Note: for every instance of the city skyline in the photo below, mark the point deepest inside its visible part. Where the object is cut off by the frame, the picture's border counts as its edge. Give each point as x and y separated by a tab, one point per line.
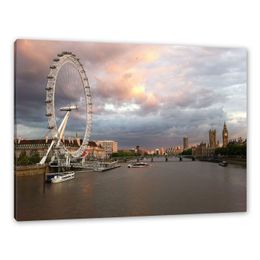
142	94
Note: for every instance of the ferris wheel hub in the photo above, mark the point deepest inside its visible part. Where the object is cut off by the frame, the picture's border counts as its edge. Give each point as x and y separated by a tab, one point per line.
69	108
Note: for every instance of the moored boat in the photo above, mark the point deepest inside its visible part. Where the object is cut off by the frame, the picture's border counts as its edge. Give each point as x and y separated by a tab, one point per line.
61	177
106	166
223	164
138	165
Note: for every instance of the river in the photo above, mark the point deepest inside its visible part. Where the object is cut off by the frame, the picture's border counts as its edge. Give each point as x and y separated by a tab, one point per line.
161	189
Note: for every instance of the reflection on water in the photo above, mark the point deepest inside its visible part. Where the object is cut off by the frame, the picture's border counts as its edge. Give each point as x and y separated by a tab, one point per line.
164	188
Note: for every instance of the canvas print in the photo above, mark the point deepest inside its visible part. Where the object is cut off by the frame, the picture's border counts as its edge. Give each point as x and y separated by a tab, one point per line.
120	129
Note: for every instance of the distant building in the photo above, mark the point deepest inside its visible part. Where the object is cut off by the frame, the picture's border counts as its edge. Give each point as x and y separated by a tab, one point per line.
150	151
225	135
200	150
41	146
212	138
239	140
203	150
177	150
162	151
137	149
209	150
185	143
109	146
169	150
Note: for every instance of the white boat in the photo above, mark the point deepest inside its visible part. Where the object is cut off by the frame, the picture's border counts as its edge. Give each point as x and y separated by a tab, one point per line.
138	165
61	177
223	163
106	166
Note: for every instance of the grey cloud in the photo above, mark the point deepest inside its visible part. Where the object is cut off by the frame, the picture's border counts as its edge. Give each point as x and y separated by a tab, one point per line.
198	92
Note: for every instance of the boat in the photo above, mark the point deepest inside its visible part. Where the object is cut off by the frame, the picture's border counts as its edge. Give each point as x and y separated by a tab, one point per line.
223	164
61	177
138	165
106	166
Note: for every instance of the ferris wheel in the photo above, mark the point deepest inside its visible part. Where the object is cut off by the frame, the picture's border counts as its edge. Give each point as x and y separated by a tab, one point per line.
57	132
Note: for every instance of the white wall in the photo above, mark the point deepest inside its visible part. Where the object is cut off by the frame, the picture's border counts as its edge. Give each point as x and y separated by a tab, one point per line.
201	22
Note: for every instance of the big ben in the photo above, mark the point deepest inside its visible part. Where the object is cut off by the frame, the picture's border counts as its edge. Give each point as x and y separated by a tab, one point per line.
225	135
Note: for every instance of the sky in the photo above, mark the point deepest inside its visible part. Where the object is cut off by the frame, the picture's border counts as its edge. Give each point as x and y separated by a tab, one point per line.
142	94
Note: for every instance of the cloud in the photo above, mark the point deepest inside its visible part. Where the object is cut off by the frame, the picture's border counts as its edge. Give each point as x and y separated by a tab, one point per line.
142	94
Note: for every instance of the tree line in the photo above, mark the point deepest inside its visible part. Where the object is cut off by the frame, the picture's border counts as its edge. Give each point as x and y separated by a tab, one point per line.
24	159
232	150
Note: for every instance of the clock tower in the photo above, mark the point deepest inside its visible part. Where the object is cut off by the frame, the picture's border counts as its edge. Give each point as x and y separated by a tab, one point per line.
225	135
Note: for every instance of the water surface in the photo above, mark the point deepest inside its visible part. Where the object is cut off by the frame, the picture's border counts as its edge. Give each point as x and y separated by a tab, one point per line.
163	188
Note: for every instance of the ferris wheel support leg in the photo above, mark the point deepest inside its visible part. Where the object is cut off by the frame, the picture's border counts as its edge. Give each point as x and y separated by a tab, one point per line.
62	127
44	158
59	136
67	160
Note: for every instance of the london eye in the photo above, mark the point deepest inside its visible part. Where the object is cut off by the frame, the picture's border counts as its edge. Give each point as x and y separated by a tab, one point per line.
57	131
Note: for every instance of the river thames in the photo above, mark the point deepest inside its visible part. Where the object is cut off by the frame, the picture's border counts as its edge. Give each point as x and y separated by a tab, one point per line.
161	189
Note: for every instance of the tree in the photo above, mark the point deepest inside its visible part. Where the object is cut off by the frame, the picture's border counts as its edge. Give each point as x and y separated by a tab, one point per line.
23	159
232	149
187	152
123	154
34	157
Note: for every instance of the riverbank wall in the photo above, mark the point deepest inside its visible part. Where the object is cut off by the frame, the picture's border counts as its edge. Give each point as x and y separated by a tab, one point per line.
231	160
30	170
236	161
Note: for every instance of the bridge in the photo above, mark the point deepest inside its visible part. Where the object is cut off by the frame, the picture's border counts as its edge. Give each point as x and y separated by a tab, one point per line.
158	158
186	156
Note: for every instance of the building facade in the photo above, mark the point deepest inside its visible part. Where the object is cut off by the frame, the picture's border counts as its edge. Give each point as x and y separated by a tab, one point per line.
41	146
200	150
212	138
185	143
109	146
